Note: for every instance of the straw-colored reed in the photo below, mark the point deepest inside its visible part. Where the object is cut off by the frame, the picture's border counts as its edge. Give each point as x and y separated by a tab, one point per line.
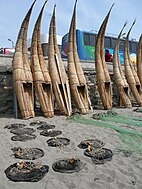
119	78
41	77
102	74
78	84
139	59
130	72
22	76
57	72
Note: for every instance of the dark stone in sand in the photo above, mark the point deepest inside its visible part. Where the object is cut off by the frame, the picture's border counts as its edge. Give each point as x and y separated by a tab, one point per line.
28	173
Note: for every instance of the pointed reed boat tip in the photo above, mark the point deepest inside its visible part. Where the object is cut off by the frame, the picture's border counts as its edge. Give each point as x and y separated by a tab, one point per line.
43	7
134	21
122	34
45	2
125	24
110	10
130	29
34	2
112	6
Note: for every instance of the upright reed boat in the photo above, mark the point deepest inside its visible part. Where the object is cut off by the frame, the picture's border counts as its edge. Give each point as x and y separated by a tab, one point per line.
41	77
130	72
102	74
22	76
57	72
78	84
119	78
139	59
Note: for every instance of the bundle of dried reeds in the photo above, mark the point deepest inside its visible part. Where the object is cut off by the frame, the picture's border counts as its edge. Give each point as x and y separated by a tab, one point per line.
119	78
102	74
57	72
22	76
139	59
41	77
130	72
78	84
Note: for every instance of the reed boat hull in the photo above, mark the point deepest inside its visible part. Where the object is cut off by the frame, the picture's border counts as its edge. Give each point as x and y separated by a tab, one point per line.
41	77
78	84
22	76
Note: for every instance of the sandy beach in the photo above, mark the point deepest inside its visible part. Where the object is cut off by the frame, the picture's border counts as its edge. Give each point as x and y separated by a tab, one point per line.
123	171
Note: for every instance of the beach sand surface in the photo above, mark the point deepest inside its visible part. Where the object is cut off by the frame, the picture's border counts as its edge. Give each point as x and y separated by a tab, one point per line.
122	172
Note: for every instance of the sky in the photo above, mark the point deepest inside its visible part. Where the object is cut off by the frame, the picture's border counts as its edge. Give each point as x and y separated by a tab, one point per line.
90	15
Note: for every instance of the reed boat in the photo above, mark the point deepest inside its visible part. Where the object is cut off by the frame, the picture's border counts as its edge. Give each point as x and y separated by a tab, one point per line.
41	77
130	72
78	84
22	76
119	78
139	59
57	72
102	74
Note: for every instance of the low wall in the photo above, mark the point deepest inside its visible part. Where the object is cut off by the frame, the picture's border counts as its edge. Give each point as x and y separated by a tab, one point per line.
6	84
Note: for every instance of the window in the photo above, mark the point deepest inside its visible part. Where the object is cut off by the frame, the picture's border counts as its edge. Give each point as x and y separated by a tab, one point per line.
86	39
133	46
121	45
89	39
92	40
113	42
107	42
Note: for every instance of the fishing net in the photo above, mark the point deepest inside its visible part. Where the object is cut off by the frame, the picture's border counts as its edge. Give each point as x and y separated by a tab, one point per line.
23	137
113	114
54	142
21	131
27	153
14	126
67	165
50	133
91	142
26	172
138	110
124	121
99	155
37	123
46	127
132	140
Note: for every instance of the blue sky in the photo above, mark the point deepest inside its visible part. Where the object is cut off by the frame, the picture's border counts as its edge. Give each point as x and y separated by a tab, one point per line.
90	14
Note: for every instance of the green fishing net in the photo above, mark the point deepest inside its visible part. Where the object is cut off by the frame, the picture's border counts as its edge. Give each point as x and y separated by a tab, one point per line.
138	110
132	140
111	113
